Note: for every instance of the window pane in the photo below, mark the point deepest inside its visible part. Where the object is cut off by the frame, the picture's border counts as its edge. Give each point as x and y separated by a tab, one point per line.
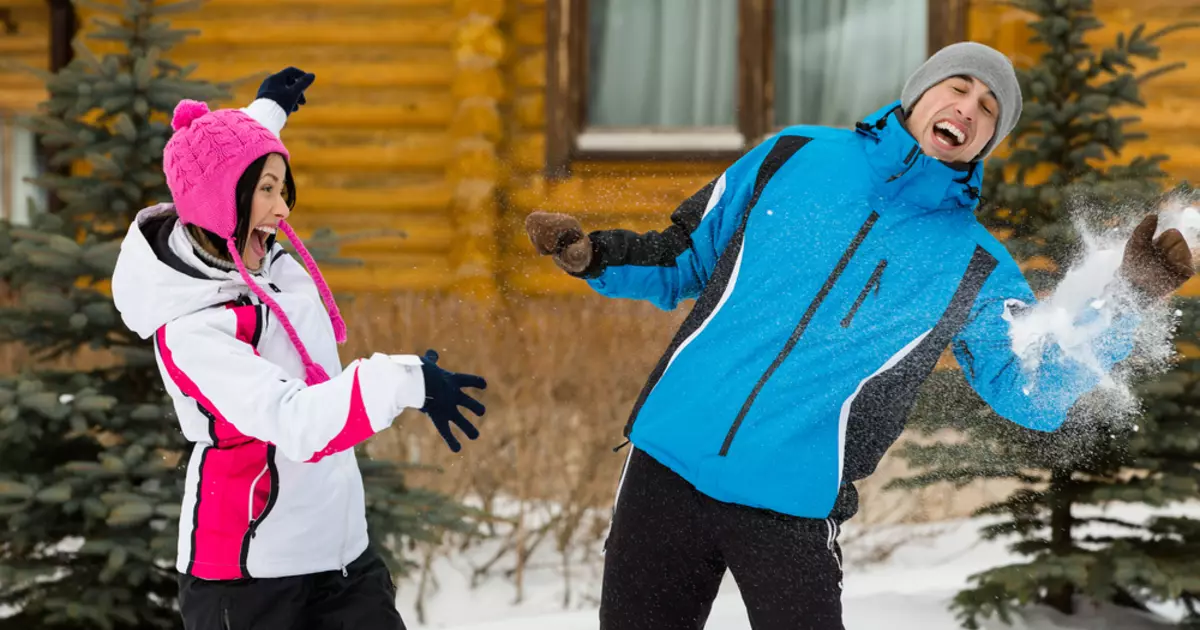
18	161
662	63
838	60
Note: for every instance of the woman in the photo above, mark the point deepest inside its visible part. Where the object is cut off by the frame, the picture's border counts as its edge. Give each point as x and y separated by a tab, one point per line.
273	530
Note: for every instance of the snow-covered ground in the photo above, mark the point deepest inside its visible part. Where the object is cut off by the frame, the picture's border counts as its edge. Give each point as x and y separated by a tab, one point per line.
898	577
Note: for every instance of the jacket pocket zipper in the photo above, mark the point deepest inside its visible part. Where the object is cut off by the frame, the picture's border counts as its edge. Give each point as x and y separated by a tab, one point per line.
255	521
873	283
800	328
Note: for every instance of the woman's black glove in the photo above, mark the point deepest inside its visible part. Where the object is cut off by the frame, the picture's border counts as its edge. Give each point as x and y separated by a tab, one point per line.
286	88
443	396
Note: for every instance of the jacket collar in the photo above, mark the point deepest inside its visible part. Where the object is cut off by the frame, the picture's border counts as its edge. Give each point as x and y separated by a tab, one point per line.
904	171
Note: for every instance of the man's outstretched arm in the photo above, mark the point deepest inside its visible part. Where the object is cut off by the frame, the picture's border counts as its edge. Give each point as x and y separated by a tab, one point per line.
664	267
1039	394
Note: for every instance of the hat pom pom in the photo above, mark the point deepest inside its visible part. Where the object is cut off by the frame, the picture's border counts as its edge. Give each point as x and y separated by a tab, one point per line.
186	111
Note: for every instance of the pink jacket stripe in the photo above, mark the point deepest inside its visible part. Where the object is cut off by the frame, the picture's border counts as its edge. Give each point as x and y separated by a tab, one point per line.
249	324
230	492
357	428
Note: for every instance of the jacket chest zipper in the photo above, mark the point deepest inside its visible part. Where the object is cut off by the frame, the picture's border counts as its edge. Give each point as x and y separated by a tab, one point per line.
872	284
800	328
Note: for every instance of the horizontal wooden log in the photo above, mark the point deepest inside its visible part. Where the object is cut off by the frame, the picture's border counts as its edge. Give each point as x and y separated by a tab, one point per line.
1127	16
705	169
17	66
527	154
32	37
379	150
1165	113
623	195
616	205
333	70
370	235
354	109
21	100
247	5
416	198
390	273
541	282
290	28
23	43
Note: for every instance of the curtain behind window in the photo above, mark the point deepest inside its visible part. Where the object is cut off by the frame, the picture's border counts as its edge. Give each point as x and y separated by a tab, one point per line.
838	60
662	63
672	64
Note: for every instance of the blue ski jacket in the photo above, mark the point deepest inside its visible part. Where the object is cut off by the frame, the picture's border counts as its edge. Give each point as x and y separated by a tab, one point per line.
831	269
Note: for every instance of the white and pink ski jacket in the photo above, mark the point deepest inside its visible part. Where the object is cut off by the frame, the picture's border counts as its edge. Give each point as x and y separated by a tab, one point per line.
273	486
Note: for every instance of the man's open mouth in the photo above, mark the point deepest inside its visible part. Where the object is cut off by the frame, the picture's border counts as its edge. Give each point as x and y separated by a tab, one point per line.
950	133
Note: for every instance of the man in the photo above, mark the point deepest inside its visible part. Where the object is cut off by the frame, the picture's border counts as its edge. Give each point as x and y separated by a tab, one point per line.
832	268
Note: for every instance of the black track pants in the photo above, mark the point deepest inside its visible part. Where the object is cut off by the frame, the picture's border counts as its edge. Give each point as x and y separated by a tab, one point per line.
364	599
670	545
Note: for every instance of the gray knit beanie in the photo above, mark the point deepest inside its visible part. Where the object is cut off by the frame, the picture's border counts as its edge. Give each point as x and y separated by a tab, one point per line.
975	60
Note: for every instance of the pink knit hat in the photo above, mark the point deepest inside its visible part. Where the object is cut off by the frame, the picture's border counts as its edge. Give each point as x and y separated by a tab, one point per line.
203	161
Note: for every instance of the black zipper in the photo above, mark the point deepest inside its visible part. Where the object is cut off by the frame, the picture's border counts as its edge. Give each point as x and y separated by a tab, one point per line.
225	613
873	283
909	160
272	495
800	327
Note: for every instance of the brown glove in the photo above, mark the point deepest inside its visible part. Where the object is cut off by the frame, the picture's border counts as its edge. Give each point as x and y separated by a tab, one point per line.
561	236
1156	267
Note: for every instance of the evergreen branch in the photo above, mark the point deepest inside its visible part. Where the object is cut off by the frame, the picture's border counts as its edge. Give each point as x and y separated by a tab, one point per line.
959	478
1106	520
1158	72
1171	28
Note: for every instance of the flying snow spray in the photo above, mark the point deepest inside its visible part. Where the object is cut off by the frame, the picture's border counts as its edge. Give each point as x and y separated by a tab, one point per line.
1082	308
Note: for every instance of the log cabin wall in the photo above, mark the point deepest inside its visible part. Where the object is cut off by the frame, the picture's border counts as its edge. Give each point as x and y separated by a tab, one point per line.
398	141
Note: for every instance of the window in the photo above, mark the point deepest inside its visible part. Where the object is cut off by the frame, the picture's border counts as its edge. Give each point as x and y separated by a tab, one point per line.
650	79
18	163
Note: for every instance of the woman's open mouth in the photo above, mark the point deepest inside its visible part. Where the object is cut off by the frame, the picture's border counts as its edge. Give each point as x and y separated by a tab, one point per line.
258	239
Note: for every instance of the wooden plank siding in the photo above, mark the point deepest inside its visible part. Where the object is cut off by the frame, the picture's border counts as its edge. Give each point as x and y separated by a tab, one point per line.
24	41
387	141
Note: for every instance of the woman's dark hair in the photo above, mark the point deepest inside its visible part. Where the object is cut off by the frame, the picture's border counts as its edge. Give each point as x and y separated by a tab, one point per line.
244	195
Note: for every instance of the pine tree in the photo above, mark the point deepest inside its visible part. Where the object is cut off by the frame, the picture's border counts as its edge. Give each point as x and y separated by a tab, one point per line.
1064	157
90	475
91	457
